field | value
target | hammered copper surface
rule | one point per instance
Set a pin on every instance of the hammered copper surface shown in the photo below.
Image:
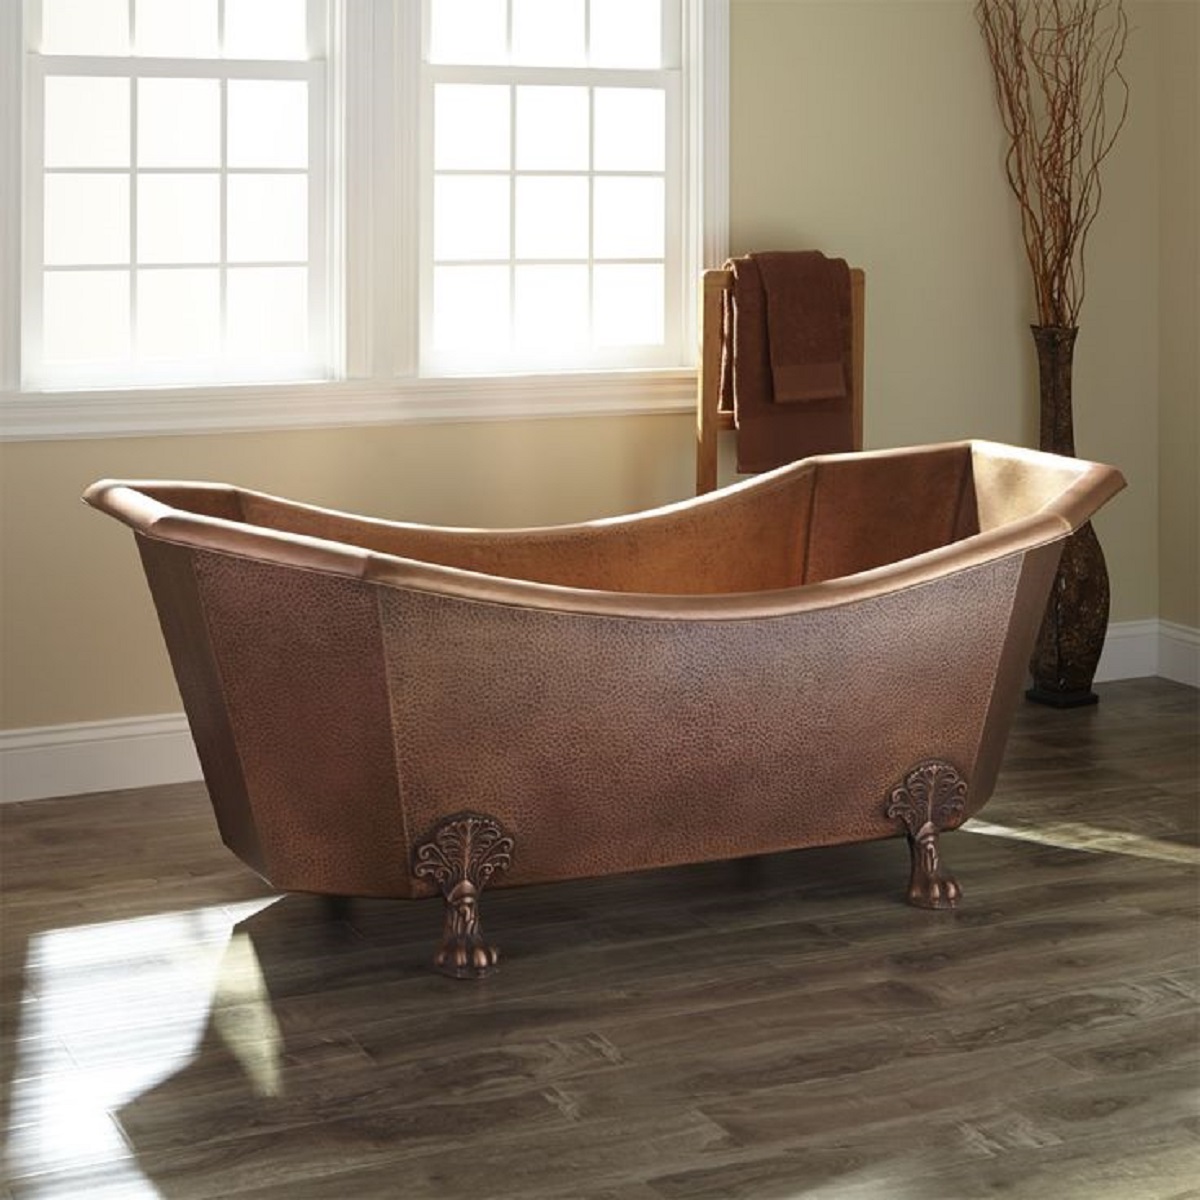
(902, 507)
(609, 744)
(749, 542)
(304, 690)
(735, 674)
(171, 575)
(1028, 606)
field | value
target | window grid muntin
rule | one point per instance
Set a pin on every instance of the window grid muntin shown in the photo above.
(314, 22)
(670, 41)
(669, 350)
(133, 369)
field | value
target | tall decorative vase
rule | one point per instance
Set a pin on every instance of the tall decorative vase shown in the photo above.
(1072, 633)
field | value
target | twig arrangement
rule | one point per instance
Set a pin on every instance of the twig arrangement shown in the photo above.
(1063, 100)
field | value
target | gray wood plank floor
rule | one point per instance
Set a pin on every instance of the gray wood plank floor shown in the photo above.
(787, 1028)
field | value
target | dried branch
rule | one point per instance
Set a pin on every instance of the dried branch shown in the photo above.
(1063, 99)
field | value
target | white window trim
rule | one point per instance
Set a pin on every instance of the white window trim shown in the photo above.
(11, 95)
(381, 353)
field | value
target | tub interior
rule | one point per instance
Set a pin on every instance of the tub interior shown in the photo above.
(824, 520)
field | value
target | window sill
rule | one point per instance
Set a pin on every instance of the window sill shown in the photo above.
(53, 416)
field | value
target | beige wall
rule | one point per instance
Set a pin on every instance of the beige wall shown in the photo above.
(865, 128)
(1179, 311)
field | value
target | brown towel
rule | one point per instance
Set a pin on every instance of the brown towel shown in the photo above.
(786, 357)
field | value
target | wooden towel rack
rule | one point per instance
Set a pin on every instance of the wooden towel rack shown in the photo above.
(709, 419)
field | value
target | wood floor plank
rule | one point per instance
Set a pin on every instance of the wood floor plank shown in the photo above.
(913, 1163)
(777, 1028)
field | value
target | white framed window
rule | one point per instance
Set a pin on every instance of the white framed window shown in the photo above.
(255, 213)
(175, 217)
(553, 223)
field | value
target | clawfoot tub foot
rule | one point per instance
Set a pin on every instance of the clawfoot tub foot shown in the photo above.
(463, 953)
(460, 854)
(929, 801)
(929, 886)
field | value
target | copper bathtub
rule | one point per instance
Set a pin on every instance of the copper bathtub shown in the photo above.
(828, 653)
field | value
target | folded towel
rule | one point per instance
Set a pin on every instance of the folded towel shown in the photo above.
(786, 357)
(808, 325)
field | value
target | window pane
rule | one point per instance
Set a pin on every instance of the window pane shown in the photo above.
(630, 219)
(626, 33)
(86, 219)
(268, 123)
(470, 308)
(85, 316)
(470, 217)
(87, 122)
(551, 307)
(179, 219)
(179, 314)
(470, 127)
(179, 123)
(468, 31)
(180, 28)
(178, 198)
(548, 32)
(552, 217)
(552, 128)
(267, 218)
(628, 305)
(266, 29)
(630, 129)
(267, 312)
(85, 26)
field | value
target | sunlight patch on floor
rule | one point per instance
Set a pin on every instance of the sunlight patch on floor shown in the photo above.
(1075, 835)
(243, 1017)
(109, 1011)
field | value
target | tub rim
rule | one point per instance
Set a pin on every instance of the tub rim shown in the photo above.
(1090, 485)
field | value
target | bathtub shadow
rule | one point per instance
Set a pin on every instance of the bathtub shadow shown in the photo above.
(331, 1045)
(333, 1052)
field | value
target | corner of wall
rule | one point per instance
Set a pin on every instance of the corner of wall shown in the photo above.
(1178, 47)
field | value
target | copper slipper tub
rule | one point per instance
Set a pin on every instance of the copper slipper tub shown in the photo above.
(828, 653)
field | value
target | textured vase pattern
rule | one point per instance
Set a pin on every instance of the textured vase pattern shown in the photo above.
(1072, 633)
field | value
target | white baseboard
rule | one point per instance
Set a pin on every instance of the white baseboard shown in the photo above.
(1179, 653)
(95, 756)
(1136, 649)
(106, 756)
(1130, 651)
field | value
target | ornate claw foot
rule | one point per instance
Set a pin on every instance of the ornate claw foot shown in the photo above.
(460, 854)
(930, 800)
(929, 886)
